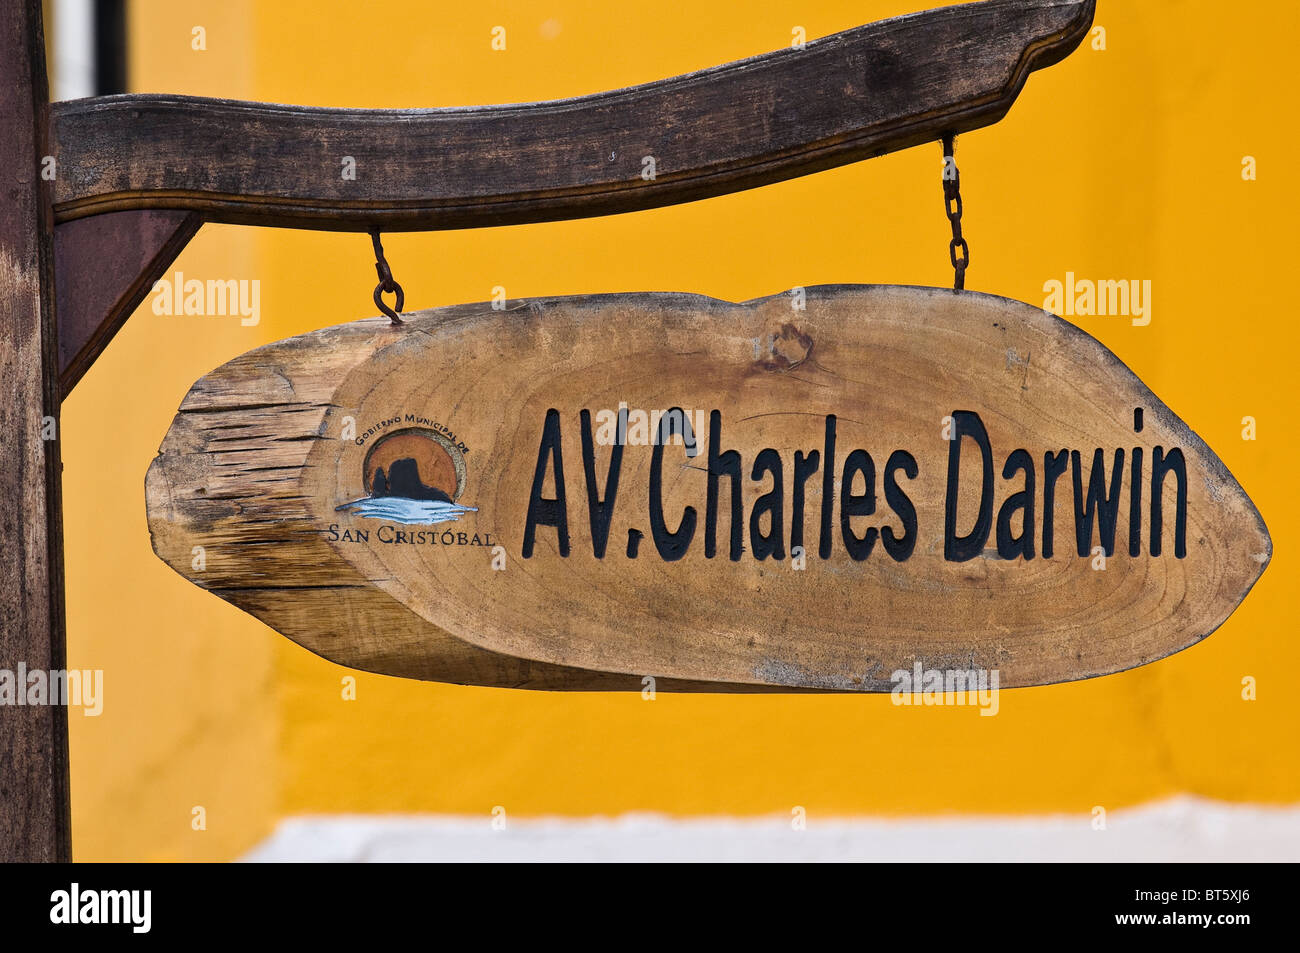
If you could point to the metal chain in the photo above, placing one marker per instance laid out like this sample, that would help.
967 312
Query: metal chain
952 201
386 283
958 250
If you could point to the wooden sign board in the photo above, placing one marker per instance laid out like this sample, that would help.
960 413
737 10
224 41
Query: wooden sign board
727 497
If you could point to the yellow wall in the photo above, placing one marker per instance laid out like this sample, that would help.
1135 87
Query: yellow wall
1118 164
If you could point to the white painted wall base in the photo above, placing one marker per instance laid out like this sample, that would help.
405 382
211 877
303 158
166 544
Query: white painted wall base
1180 829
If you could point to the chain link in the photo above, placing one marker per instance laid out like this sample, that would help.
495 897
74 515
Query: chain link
958 250
386 283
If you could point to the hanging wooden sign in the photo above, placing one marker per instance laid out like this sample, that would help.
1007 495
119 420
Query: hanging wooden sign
727 496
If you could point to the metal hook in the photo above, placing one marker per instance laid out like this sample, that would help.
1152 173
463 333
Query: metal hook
386 283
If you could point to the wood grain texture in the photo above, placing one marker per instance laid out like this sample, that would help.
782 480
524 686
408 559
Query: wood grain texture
851 96
259 459
104 266
34 815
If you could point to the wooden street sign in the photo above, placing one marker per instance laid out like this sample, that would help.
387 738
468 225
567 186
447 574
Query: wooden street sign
725 496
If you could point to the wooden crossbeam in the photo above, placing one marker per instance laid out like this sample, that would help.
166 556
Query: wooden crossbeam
854 95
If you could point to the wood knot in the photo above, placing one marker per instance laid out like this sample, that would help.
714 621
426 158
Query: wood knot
783 350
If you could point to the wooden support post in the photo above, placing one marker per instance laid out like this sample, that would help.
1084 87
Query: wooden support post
34 816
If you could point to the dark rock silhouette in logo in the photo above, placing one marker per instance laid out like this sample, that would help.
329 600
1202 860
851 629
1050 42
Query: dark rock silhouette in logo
403 479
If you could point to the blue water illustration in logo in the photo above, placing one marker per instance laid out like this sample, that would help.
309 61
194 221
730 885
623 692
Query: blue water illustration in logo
399 509
399 494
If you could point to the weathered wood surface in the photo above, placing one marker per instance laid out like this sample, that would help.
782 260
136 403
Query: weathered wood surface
854 95
260 457
104 266
34 821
